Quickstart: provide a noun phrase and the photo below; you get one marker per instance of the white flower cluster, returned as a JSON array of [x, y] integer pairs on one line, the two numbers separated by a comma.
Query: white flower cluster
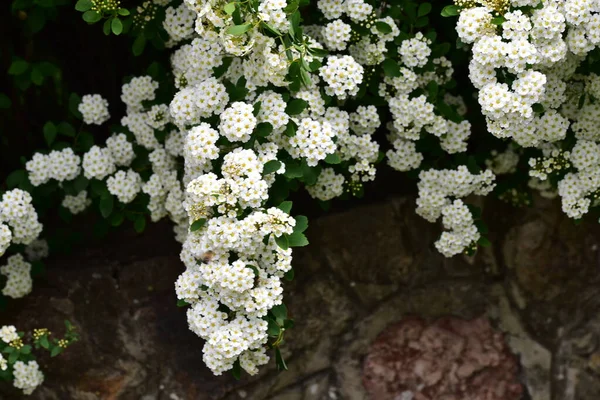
[[60, 165], [18, 274], [8, 333], [94, 109], [436, 189], [18, 219], [27, 376], [343, 75], [125, 185]]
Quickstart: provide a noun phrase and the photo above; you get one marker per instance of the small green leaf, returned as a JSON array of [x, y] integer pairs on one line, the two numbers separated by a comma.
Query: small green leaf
[[285, 206], [484, 242], [333, 158], [290, 129], [13, 357], [25, 349], [282, 241], [391, 68], [91, 17], [107, 204], [116, 26], [65, 128], [83, 5], [56, 351], [281, 365], [238, 30], [138, 45], [44, 342], [256, 108], [4, 101], [301, 223], [450, 11], [182, 303], [424, 9], [74, 101], [383, 27], [289, 276], [280, 312], [36, 76], [297, 239], [198, 224], [124, 12], [229, 8], [498, 20], [263, 129], [18, 67], [236, 371], [296, 106], [271, 166], [15, 178], [50, 132], [273, 329], [140, 224]]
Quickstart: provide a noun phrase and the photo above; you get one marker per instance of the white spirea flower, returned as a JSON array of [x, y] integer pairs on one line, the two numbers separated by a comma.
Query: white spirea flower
[[337, 35], [98, 163], [343, 75], [18, 274], [94, 109], [3, 363], [313, 140], [139, 89], [8, 333], [238, 122], [17, 211], [329, 185], [358, 10], [58, 165], [5, 238], [125, 185], [121, 149], [27, 376], [78, 203], [179, 22]]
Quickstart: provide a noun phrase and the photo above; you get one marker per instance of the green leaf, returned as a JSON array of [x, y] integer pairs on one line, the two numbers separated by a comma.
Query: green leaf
[[116, 219], [283, 241], [391, 68], [289, 276], [263, 129], [383, 27], [286, 206], [236, 371], [305, 77], [297, 239], [538, 108], [13, 357], [271, 166], [117, 26], [182, 303], [50, 132], [74, 101], [140, 224], [138, 45], [36, 76], [281, 365], [229, 8], [256, 108], [25, 349], [290, 129], [273, 329], [484, 242], [238, 30], [124, 12], [280, 312], [15, 178], [18, 67], [333, 158], [450, 11], [44, 342], [301, 223], [198, 224], [85, 141], [296, 106], [83, 5], [424, 9], [65, 128], [498, 20], [107, 204], [91, 17], [4, 101], [56, 350]]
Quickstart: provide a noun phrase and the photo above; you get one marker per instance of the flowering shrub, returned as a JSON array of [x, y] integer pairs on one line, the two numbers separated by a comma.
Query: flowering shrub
[[265, 97]]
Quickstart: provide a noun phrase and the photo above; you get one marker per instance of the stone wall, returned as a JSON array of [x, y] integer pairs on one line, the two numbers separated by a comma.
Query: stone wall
[[365, 269]]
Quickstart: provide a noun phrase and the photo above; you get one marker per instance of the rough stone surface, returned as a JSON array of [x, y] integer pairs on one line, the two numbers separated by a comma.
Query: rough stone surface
[[366, 269]]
